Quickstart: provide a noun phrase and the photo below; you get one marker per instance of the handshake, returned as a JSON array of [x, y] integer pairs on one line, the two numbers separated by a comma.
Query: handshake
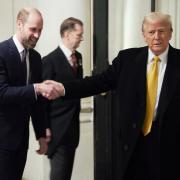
[[49, 89]]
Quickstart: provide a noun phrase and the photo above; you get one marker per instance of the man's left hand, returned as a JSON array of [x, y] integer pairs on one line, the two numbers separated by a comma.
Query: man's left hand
[[42, 146]]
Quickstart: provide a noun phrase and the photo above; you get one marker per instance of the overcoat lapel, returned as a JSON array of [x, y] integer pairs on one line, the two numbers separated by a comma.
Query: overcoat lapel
[[141, 66], [140, 74], [64, 62], [171, 77]]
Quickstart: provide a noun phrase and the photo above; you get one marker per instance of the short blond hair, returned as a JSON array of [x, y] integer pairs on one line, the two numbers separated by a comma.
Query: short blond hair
[[154, 16]]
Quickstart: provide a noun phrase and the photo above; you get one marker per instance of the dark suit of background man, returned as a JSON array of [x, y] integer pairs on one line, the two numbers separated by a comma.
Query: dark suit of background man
[[156, 155], [20, 90], [64, 114]]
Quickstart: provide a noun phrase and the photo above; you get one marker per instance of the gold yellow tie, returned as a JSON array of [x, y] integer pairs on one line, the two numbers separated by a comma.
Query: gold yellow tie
[[152, 83]]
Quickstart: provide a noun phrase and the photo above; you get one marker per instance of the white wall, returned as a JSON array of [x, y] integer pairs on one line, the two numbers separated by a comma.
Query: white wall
[[6, 19], [125, 19]]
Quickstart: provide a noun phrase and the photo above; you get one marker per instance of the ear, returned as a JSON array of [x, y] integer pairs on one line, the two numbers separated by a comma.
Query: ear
[[66, 34], [170, 35], [19, 24], [144, 36]]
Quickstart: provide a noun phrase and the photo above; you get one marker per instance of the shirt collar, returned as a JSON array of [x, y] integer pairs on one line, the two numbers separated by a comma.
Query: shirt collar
[[18, 44], [65, 50], [162, 57]]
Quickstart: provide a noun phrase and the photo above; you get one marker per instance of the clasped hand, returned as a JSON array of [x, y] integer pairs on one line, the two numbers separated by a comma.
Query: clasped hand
[[50, 89]]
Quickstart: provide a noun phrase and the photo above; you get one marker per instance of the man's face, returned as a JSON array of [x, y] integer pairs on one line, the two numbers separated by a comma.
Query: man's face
[[30, 30], [75, 37], [157, 35]]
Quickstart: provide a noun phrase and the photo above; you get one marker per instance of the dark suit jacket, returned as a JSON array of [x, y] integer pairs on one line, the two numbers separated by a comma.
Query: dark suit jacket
[[127, 75], [62, 114], [17, 100]]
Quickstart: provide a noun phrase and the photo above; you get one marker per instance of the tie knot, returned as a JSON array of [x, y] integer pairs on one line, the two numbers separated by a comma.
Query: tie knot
[[156, 59], [73, 58]]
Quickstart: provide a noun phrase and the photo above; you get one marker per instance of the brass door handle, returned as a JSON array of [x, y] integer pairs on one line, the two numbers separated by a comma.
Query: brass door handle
[[103, 93]]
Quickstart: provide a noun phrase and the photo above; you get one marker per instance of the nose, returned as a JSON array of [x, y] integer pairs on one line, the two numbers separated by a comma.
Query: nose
[[37, 34], [156, 35]]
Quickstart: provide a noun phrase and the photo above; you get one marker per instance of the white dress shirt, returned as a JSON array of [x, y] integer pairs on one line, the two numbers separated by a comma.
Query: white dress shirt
[[161, 71], [67, 52]]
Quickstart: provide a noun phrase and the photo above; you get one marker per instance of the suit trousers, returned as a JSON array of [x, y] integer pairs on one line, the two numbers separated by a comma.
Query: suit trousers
[[12, 164], [145, 161], [62, 163]]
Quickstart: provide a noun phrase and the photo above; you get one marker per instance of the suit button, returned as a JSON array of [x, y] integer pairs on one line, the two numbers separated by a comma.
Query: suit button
[[134, 125], [126, 147]]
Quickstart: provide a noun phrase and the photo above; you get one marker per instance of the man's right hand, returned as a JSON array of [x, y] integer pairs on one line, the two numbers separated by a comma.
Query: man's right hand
[[49, 89], [58, 86]]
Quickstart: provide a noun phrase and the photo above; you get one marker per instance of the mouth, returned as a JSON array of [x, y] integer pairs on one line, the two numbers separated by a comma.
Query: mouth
[[34, 40], [157, 44]]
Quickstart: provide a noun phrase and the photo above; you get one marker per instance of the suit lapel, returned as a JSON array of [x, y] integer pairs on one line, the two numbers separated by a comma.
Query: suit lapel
[[63, 61], [15, 62], [171, 77]]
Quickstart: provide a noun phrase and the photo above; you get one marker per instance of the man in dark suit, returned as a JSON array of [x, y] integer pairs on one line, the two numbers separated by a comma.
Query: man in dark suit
[[64, 64], [20, 94], [149, 150]]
